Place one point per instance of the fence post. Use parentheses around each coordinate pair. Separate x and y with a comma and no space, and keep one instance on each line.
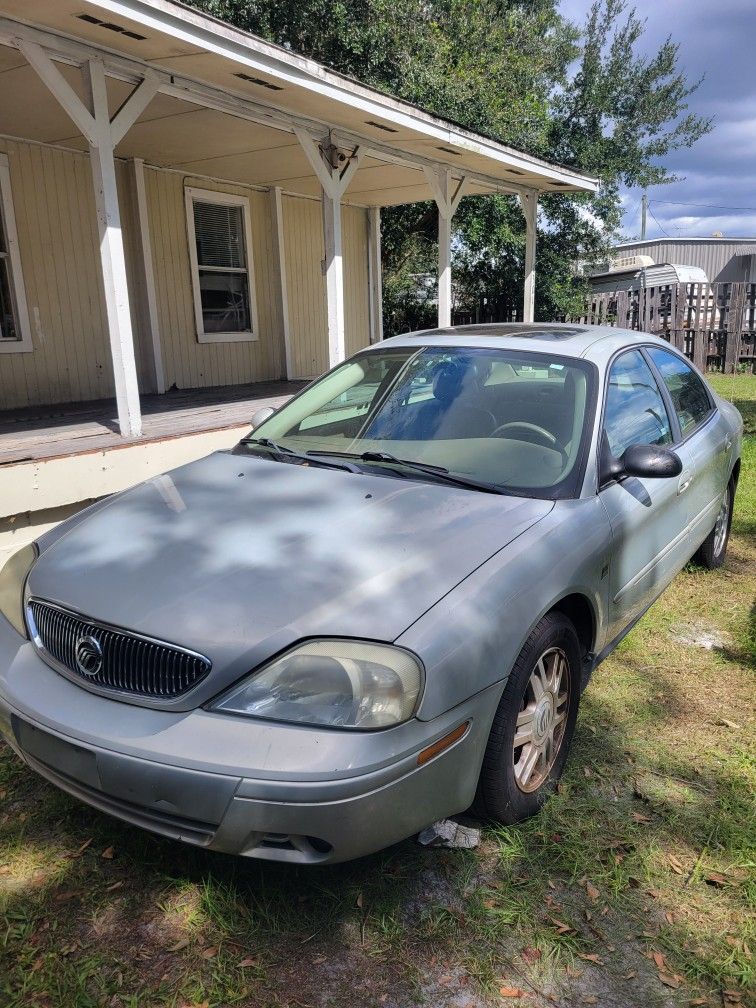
(735,314)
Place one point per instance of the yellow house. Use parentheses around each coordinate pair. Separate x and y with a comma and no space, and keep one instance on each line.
(189,224)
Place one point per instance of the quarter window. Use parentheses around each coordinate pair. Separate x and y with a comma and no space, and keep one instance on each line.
(689,396)
(15,334)
(635,411)
(221,257)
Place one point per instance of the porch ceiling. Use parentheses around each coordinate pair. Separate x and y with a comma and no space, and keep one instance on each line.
(181,134)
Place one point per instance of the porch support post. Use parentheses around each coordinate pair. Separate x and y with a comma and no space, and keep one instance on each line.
(279,267)
(447,197)
(529,203)
(334,173)
(375,274)
(148,274)
(102,135)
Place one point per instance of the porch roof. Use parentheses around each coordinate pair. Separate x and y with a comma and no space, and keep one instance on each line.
(228,103)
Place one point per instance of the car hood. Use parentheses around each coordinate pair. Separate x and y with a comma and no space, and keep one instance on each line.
(237,556)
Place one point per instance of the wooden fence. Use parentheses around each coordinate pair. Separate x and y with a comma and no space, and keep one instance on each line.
(713,324)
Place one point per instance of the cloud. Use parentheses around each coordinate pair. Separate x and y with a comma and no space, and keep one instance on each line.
(716,42)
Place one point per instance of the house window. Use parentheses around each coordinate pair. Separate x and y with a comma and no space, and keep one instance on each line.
(15,334)
(220,249)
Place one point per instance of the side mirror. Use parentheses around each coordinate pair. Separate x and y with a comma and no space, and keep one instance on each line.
(261,415)
(646,461)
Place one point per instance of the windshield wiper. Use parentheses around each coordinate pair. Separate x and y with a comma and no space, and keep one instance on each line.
(438,472)
(278,449)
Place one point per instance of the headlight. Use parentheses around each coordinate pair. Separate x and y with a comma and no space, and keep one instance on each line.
(12,580)
(337,683)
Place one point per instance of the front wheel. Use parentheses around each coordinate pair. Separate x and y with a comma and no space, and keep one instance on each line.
(534,724)
(713,550)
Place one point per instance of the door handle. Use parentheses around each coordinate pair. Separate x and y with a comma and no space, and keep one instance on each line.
(685,480)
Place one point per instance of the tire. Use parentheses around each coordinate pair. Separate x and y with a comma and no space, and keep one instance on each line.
(713,550)
(506,793)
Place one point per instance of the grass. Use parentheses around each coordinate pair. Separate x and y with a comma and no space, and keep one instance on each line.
(634,887)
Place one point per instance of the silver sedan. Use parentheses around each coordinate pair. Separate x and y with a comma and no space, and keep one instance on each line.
(382,606)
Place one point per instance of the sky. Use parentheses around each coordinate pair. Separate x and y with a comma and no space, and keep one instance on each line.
(716,40)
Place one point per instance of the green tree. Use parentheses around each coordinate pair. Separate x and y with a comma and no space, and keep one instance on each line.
(514,70)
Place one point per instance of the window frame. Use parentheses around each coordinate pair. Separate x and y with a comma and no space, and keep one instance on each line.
(680,438)
(193,194)
(15,278)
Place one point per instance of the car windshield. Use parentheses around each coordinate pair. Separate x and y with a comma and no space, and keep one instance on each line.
(514,420)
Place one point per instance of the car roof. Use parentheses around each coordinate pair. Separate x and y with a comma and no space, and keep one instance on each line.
(561,338)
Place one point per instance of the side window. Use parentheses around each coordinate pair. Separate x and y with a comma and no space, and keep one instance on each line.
(689,396)
(635,411)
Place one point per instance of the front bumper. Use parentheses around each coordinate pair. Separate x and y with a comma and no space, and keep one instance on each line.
(232,784)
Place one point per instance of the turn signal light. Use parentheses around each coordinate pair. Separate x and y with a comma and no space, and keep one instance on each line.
(442,743)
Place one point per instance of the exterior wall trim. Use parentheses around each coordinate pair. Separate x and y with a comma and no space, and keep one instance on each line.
(230,199)
(18,291)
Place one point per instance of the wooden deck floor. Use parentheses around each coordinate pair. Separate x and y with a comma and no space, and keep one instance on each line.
(70,429)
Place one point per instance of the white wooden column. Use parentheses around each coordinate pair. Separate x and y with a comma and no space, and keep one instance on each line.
(103,134)
(279,269)
(334,179)
(447,197)
(375,274)
(529,203)
(148,274)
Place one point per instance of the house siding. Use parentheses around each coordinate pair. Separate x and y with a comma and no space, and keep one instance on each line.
(304,252)
(58,246)
(59,250)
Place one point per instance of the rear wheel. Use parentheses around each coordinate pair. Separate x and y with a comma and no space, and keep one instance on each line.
(534,724)
(712,552)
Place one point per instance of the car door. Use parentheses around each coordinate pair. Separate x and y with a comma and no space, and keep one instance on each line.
(704,441)
(648,516)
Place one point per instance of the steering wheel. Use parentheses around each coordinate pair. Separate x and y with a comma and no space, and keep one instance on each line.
(543,436)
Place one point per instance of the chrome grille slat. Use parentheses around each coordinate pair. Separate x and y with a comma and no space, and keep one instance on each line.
(131,663)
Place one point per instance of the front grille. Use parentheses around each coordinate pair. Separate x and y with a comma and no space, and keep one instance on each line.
(111,658)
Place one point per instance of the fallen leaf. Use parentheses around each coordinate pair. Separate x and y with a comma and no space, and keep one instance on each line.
(658,960)
(249,961)
(572,972)
(587,771)
(66,894)
(639,817)
(210,953)
(108,853)
(589,999)
(181,944)
(698,1001)
(82,848)
(489,904)
(511,992)
(114,885)
(561,927)
(359,901)
(630,976)
(669,918)
(591,957)
(729,724)
(717,879)
(593,893)
(669,981)
(675,864)
(530,954)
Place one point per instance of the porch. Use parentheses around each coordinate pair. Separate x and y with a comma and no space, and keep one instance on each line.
(36,434)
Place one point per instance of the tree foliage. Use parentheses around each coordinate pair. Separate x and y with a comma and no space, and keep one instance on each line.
(517,71)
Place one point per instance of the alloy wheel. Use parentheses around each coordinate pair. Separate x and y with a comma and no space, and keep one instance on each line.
(723,521)
(542,720)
